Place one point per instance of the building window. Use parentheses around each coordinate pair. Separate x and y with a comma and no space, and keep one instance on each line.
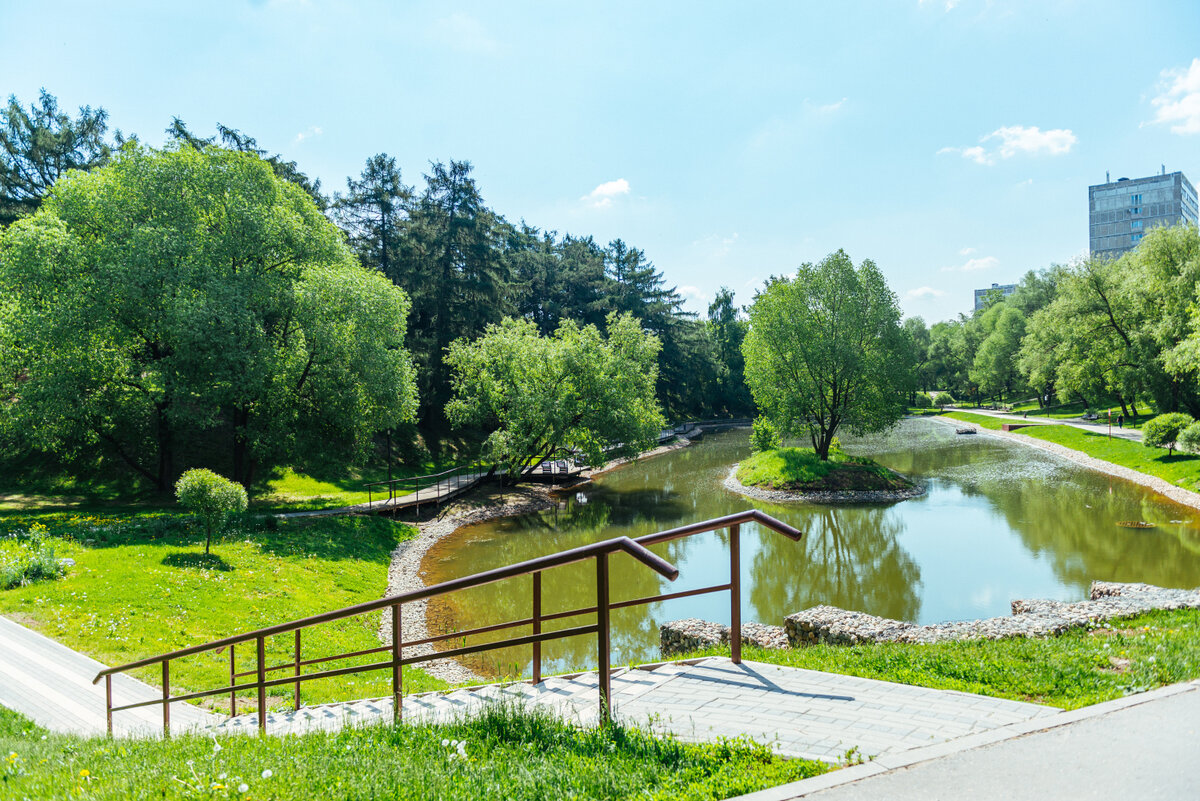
(1136,210)
(1136,238)
(1135,200)
(1136,224)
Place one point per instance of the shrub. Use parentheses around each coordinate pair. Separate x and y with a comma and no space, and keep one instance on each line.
(764,436)
(30,559)
(942,400)
(1164,431)
(212,498)
(922,401)
(1189,438)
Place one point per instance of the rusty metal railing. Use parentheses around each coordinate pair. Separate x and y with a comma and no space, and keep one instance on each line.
(259,682)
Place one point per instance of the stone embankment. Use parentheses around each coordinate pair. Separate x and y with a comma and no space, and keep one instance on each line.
(693,634)
(1030,618)
(842,496)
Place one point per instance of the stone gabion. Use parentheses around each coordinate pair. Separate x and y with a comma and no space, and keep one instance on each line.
(1030,618)
(692,634)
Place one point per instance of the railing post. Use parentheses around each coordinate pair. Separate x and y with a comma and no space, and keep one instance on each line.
(108,701)
(166,670)
(537,626)
(262,678)
(602,638)
(397,667)
(735,594)
(232,682)
(296,694)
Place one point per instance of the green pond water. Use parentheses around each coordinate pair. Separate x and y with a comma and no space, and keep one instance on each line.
(1000,521)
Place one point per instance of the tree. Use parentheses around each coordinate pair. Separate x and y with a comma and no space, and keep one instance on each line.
(372,213)
(213,498)
(40,145)
(825,350)
(189,306)
(942,400)
(1163,431)
(728,330)
(994,369)
(763,436)
(574,392)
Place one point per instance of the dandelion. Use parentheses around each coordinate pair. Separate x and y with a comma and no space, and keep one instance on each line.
(243,787)
(85,773)
(445,743)
(266,774)
(216,745)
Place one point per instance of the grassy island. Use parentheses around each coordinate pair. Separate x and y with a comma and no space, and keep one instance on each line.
(800,470)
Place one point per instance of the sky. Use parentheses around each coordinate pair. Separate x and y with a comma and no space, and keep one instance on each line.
(951,142)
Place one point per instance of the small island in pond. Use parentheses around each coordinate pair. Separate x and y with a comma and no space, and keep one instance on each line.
(797,474)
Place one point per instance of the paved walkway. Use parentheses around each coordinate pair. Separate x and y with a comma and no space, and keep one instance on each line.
(1095,428)
(805,713)
(50,684)
(1143,746)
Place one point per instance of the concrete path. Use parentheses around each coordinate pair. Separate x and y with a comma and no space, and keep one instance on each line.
(1095,428)
(1143,746)
(804,713)
(51,685)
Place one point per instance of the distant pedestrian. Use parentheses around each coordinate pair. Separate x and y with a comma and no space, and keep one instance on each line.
(1120,421)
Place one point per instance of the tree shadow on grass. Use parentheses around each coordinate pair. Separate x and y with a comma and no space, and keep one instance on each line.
(203,561)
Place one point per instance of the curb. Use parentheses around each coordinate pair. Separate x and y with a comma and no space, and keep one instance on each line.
(904,759)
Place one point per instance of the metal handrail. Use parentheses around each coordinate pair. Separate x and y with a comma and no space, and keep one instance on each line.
(598,551)
(474,471)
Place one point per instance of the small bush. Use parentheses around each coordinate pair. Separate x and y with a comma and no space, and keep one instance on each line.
(1164,431)
(942,400)
(29,558)
(1189,438)
(922,401)
(764,436)
(212,498)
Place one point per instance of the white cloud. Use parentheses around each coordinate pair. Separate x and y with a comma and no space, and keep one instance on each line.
(1015,139)
(829,108)
(695,294)
(1178,103)
(464,33)
(973,265)
(966,251)
(309,134)
(949,5)
(925,292)
(602,196)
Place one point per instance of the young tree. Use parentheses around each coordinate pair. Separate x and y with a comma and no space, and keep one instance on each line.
(213,498)
(825,350)
(39,145)
(189,296)
(1163,431)
(544,396)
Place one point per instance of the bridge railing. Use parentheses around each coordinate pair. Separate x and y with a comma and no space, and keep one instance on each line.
(298,669)
(435,485)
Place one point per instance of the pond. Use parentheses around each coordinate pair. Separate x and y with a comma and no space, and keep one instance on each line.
(1000,521)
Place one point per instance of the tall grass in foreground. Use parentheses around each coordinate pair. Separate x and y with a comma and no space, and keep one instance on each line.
(505,752)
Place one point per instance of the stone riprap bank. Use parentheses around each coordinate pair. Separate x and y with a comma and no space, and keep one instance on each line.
(1032,618)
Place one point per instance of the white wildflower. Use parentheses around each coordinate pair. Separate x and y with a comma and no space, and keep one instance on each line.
(266,774)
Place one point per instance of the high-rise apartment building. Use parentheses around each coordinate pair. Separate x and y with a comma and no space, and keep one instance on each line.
(981,295)
(1120,212)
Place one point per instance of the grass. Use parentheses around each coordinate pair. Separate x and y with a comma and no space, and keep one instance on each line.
(141,586)
(800,469)
(1080,668)
(506,753)
(1072,411)
(1181,469)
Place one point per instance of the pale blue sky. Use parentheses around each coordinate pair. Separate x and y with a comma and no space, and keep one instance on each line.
(951,141)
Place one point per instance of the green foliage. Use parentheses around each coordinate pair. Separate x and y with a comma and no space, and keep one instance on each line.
(764,436)
(922,401)
(140,587)
(813,371)
(181,302)
(1189,438)
(28,556)
(942,400)
(503,752)
(548,396)
(1077,669)
(1163,431)
(212,498)
(801,469)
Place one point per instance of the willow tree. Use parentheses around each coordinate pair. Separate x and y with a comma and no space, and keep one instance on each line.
(825,351)
(187,306)
(574,392)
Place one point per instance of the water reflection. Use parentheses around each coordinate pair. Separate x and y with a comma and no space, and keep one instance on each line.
(1000,521)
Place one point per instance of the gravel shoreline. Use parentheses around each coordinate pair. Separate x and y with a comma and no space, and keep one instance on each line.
(404,574)
(1166,488)
(845,496)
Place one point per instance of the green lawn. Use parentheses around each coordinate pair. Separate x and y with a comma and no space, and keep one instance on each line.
(799,468)
(1182,469)
(1080,668)
(505,754)
(142,586)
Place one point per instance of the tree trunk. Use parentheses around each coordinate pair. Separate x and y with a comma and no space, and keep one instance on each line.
(166,461)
